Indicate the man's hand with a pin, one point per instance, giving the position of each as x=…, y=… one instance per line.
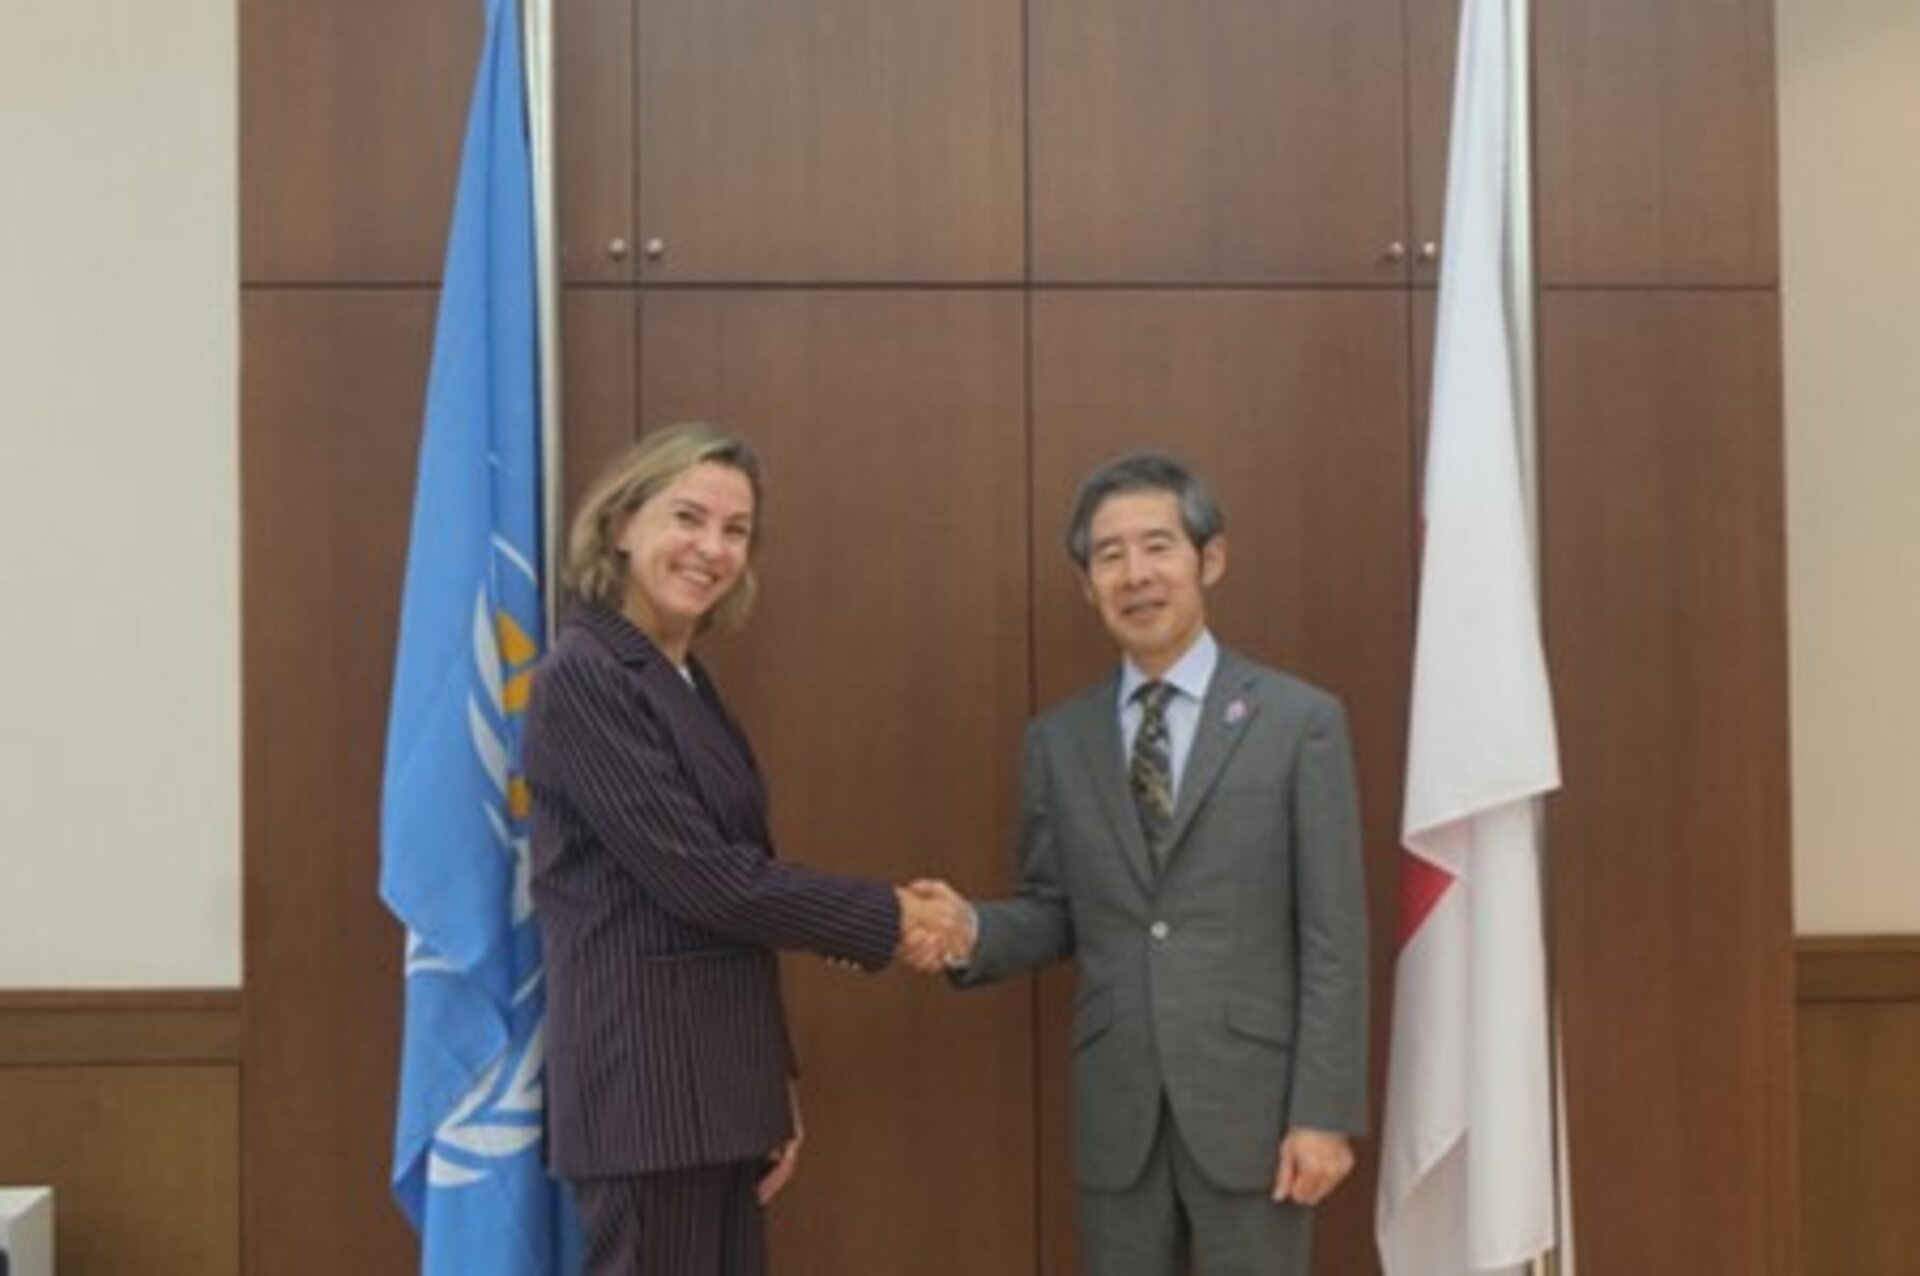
x=1312, y=1164
x=936, y=926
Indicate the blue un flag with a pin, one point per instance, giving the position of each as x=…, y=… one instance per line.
x=468, y=1166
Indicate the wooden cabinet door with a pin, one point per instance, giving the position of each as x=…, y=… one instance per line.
x=1218, y=141
x=593, y=127
x=599, y=390
x=1433, y=28
x=1293, y=406
x=884, y=678
x=1655, y=142
x=1665, y=610
x=829, y=140
x=332, y=383
x=351, y=115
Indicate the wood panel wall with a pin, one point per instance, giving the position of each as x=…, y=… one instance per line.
x=1859, y=1105
x=1671, y=891
x=331, y=391
x=1663, y=530
x=1259, y=108
x=883, y=677
x=1661, y=510
x=1294, y=403
x=351, y=119
x=128, y=1106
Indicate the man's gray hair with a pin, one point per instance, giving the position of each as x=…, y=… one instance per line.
x=1147, y=471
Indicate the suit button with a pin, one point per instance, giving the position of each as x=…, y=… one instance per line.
x=1159, y=930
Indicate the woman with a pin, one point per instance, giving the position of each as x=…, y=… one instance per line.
x=671, y=1105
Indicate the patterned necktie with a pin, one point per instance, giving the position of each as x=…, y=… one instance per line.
x=1150, y=769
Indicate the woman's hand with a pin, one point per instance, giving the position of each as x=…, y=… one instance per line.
x=783, y=1160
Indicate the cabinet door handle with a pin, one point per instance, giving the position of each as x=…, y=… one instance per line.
x=656, y=249
x=1429, y=253
x=1396, y=252
x=617, y=249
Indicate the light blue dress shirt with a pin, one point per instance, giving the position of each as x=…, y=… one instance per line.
x=1189, y=678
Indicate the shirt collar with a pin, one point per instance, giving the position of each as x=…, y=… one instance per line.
x=1189, y=675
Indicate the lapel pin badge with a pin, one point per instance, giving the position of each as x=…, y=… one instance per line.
x=1236, y=710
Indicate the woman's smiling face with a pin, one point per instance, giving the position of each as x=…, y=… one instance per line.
x=686, y=550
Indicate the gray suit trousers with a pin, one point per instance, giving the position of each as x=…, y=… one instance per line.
x=1146, y=1228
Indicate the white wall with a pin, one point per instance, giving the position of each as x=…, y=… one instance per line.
x=119, y=582
x=1850, y=213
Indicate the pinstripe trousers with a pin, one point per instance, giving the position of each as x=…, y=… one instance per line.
x=702, y=1221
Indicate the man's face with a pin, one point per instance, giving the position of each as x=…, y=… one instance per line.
x=1146, y=579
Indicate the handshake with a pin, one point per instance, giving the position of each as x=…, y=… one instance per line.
x=937, y=927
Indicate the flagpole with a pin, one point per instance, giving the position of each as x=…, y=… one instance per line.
x=1520, y=271
x=537, y=23
x=1521, y=281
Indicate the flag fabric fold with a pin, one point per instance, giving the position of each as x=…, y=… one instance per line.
x=1467, y=1165
x=468, y=1167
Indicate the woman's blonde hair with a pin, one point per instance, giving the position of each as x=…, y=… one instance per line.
x=596, y=569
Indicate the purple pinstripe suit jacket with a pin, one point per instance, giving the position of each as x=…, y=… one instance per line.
x=660, y=905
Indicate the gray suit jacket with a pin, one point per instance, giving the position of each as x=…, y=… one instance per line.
x=1234, y=979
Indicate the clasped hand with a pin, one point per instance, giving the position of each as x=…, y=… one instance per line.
x=936, y=926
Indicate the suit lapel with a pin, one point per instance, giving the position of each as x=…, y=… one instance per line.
x=700, y=729
x=708, y=696
x=719, y=760
x=1106, y=765
x=1225, y=715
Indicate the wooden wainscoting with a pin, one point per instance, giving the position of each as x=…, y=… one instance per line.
x=128, y=1105
x=1859, y=1105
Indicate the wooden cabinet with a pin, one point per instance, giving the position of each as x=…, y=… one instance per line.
x=351, y=115
x=937, y=258
x=921, y=141
x=331, y=390
x=1655, y=142
x=830, y=140
x=1433, y=28
x=1666, y=624
x=918, y=437
x=593, y=139
x=1232, y=141
x=599, y=381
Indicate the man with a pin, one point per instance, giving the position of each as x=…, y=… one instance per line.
x=1190, y=835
